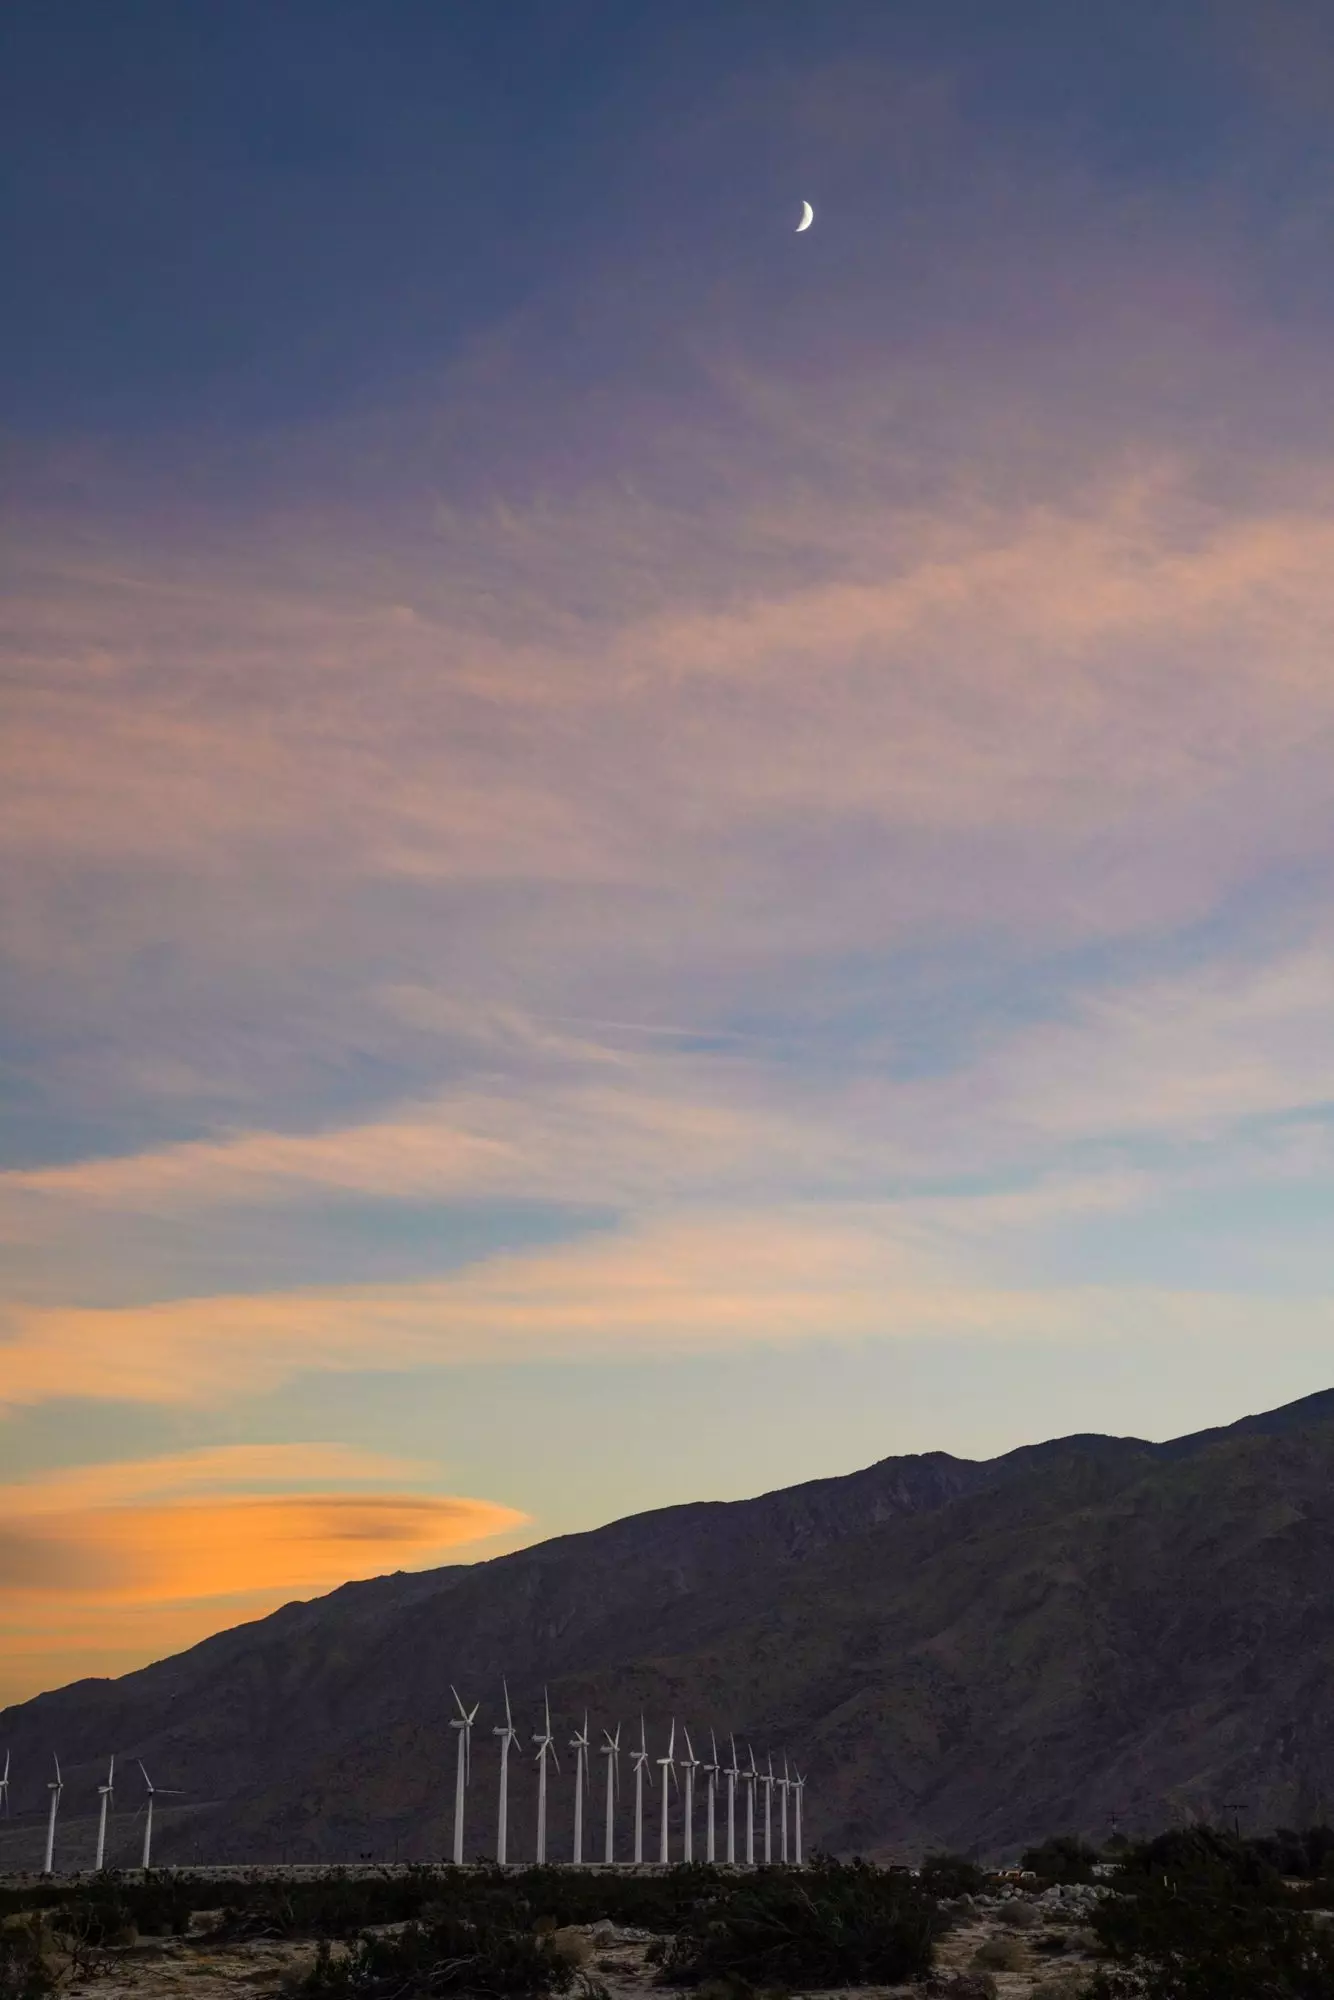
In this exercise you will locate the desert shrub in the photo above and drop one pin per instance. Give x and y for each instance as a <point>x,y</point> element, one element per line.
<point>1200,1943</point>
<point>1000,1954</point>
<point>1064,1858</point>
<point>339,1906</point>
<point>452,1956</point>
<point>835,1925</point>
<point>1018,1915</point>
<point>159,1905</point>
<point>1200,1860</point>
<point>948,1875</point>
<point>24,1971</point>
<point>1307,1855</point>
<point>93,1921</point>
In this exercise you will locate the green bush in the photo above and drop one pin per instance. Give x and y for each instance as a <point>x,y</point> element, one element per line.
<point>24,1973</point>
<point>1201,1859</point>
<point>1063,1858</point>
<point>834,1925</point>
<point>1206,1942</point>
<point>949,1875</point>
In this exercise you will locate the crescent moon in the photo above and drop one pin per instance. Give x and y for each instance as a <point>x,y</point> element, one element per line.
<point>807,217</point>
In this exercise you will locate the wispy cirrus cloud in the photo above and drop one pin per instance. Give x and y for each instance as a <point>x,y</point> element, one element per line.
<point>934,731</point>
<point>680,1285</point>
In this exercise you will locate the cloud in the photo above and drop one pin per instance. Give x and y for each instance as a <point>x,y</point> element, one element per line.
<point>149,1549</point>
<point>675,1285</point>
<point>1174,1057</point>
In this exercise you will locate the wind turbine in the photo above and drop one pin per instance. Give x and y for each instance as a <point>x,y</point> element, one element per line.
<point>668,1764</point>
<point>768,1781</point>
<point>611,1750</point>
<point>710,1793</point>
<point>153,1792</point>
<point>4,1788</point>
<point>639,1758</point>
<point>55,1789</point>
<point>104,1793</point>
<point>731,1774</point>
<point>784,1787</point>
<point>798,1787</point>
<point>546,1747</point>
<point>579,1745</point>
<point>750,1777</point>
<point>463,1722</point>
<point>689,1764</point>
<point>509,1740</point>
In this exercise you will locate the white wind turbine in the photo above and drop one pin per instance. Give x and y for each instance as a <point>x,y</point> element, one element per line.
<point>710,1795</point>
<point>611,1750</point>
<point>154,1791</point>
<point>579,1745</point>
<point>55,1789</point>
<point>798,1787</point>
<point>640,1759</point>
<point>4,1788</point>
<point>463,1722</point>
<point>749,1777</point>
<point>731,1774</point>
<point>784,1787</point>
<point>768,1780</point>
<point>668,1764</point>
<point>104,1793</point>
<point>546,1747</point>
<point>509,1740</point>
<point>689,1764</point>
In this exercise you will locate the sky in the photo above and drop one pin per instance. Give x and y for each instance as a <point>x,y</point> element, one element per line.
<point>643,856</point>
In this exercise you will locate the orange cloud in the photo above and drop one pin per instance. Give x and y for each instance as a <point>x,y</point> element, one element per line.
<point>118,1561</point>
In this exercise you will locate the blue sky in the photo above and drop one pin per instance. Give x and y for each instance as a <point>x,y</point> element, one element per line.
<point>640,856</point>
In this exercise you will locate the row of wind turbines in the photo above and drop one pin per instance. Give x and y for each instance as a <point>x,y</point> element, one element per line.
<point>750,1777</point>
<point>106,1796</point>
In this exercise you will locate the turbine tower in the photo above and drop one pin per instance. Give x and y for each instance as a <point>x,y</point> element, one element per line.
<point>750,1777</point>
<point>668,1764</point>
<point>546,1747</point>
<point>639,1758</point>
<point>154,1791</point>
<point>784,1787</point>
<point>579,1745</point>
<point>611,1750</point>
<point>56,1787</point>
<point>689,1764</point>
<point>104,1793</point>
<point>4,1788</point>
<point>768,1780</point>
<point>798,1787</point>
<point>509,1740</point>
<point>710,1798</point>
<point>463,1722</point>
<point>731,1774</point>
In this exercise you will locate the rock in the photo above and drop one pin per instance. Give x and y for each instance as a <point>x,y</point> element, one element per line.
<point>571,1943</point>
<point>1000,1954</point>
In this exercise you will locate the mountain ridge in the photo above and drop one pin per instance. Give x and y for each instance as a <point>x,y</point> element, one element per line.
<point>323,1729</point>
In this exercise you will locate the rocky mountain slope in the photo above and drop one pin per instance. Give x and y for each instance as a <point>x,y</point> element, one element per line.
<point>959,1652</point>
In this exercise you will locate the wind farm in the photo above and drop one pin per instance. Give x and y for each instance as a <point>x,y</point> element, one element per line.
<point>623,1842</point>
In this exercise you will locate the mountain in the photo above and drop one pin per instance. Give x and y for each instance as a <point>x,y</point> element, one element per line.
<point>958,1652</point>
